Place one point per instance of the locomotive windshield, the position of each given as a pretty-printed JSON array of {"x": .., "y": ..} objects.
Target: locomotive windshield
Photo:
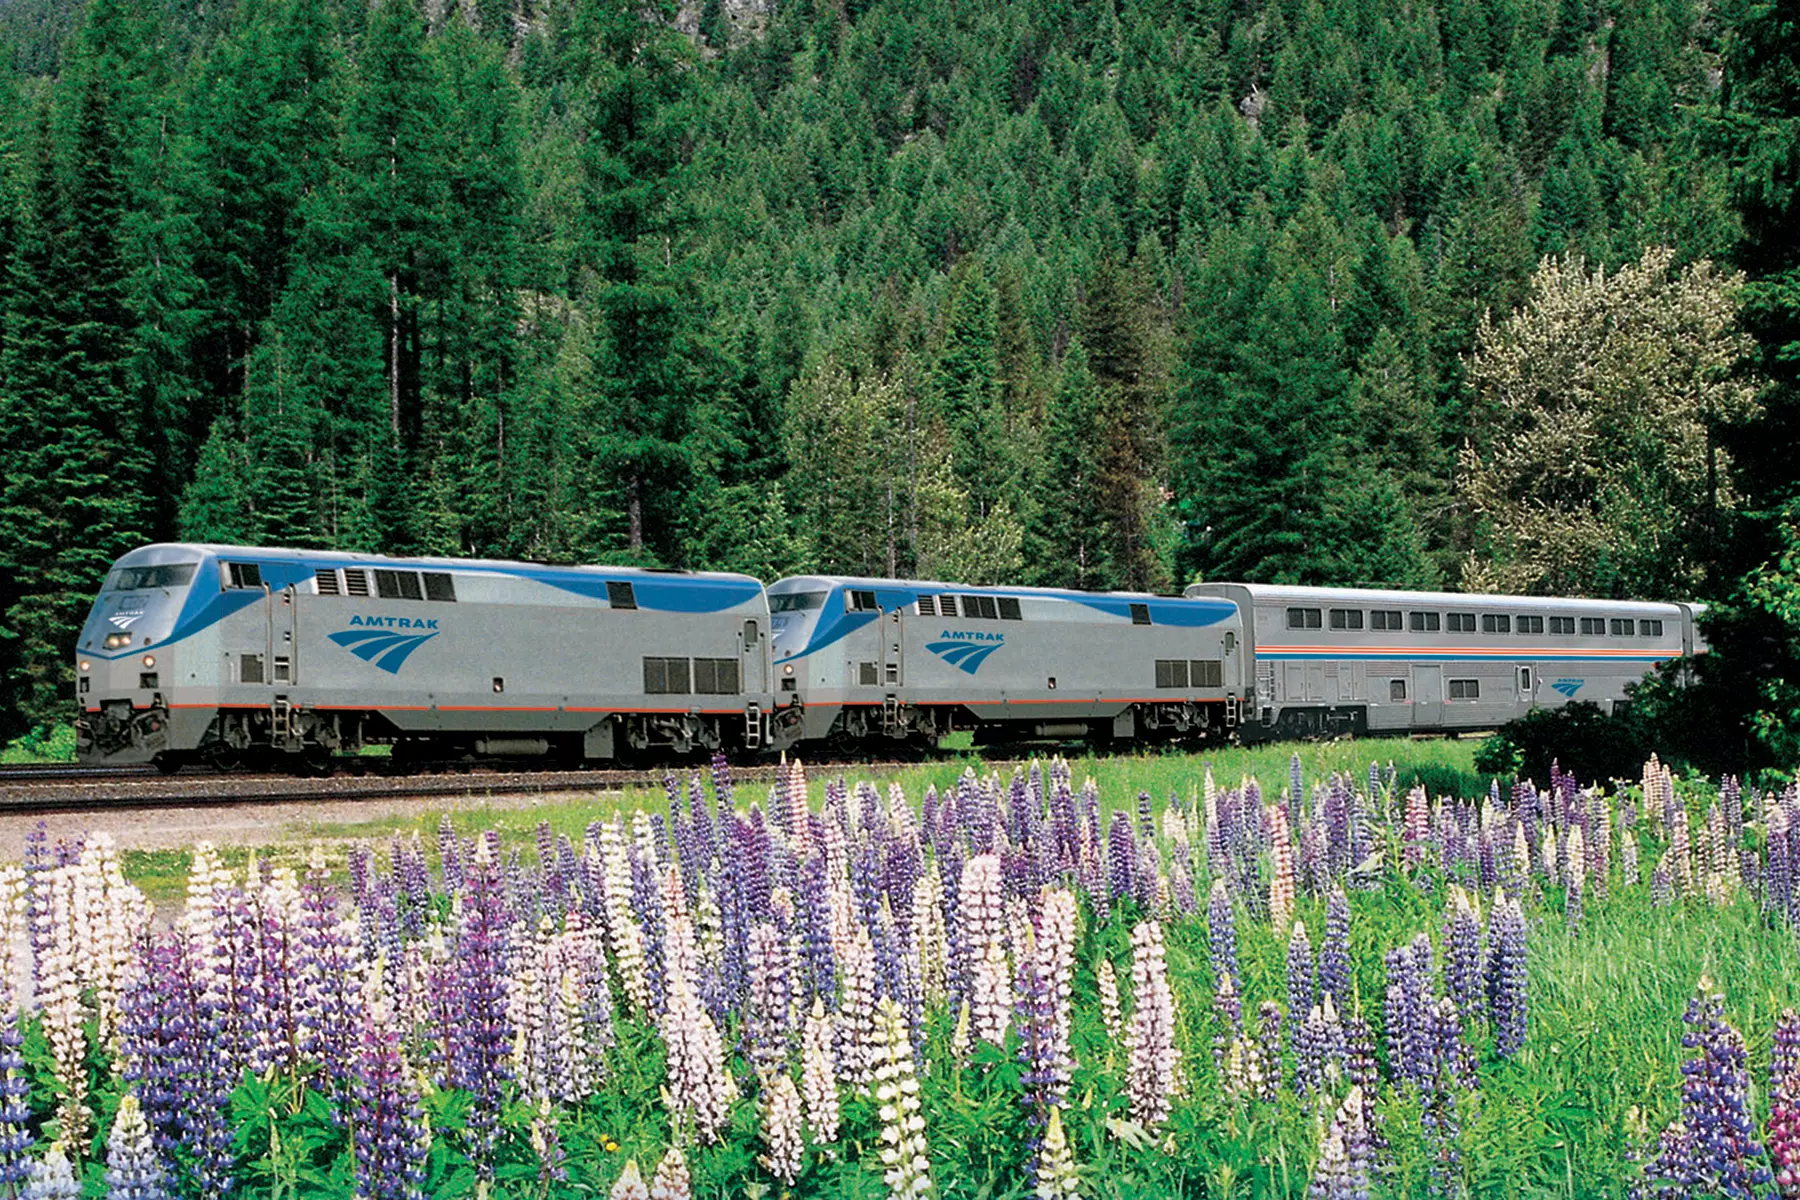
[
  {"x": 795, "y": 601},
  {"x": 136, "y": 579}
]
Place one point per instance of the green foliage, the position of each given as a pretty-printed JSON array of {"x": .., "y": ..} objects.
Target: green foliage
[{"x": 1578, "y": 737}]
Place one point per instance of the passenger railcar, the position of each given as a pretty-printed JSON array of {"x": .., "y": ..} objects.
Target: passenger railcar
[
  {"x": 896, "y": 658},
  {"x": 1344, "y": 660},
  {"x": 226, "y": 653}
]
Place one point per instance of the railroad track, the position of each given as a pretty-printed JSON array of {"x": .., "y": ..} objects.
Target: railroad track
[{"x": 79, "y": 791}]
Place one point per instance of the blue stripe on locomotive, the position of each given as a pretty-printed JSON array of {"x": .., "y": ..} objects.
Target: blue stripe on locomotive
[{"x": 205, "y": 606}]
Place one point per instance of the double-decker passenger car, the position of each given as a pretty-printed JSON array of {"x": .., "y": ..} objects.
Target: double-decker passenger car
[
  {"x": 227, "y": 652},
  {"x": 1349, "y": 660},
  {"x": 899, "y": 658}
]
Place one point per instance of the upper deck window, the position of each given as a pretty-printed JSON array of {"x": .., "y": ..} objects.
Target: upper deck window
[
  {"x": 1623, "y": 627},
  {"x": 1387, "y": 619},
  {"x": 135, "y": 579},
  {"x": 1303, "y": 618},
  {"x": 795, "y": 601},
  {"x": 1424, "y": 622},
  {"x": 1530, "y": 624},
  {"x": 1346, "y": 618},
  {"x": 1593, "y": 627},
  {"x": 243, "y": 575},
  {"x": 1496, "y": 623},
  {"x": 1462, "y": 622},
  {"x": 1650, "y": 629},
  {"x": 1563, "y": 626}
]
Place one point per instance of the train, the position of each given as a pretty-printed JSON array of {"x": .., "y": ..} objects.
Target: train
[{"x": 255, "y": 656}]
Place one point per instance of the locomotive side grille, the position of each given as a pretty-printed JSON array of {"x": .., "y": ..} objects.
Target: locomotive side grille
[
  {"x": 867, "y": 676},
  {"x": 927, "y": 606},
  {"x": 715, "y": 676},
  {"x": 327, "y": 582},
  {"x": 356, "y": 581},
  {"x": 666, "y": 677},
  {"x": 250, "y": 668}
]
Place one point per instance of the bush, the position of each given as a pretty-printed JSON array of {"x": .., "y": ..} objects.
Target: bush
[
  {"x": 1581, "y": 739},
  {"x": 45, "y": 743}
]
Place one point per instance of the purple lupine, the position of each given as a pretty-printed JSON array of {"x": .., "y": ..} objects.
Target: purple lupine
[
  {"x": 1407, "y": 1012},
  {"x": 387, "y": 1126},
  {"x": 1715, "y": 1101},
  {"x": 476, "y": 1035},
  {"x": 768, "y": 1023},
  {"x": 1228, "y": 1011},
  {"x": 1300, "y": 987},
  {"x": 1296, "y": 792},
  {"x": 1463, "y": 957},
  {"x": 647, "y": 908},
  {"x": 1334, "y": 955},
  {"x": 1451, "y": 1071},
  {"x": 1359, "y": 1054},
  {"x": 1221, "y": 932},
  {"x": 450, "y": 858},
  {"x": 1784, "y": 1105},
  {"x": 327, "y": 963},
  {"x": 1506, "y": 978},
  {"x": 1121, "y": 859},
  {"x": 1268, "y": 1047},
  {"x": 200, "y": 1076},
  {"x": 812, "y": 908},
  {"x": 15, "y": 1097}
]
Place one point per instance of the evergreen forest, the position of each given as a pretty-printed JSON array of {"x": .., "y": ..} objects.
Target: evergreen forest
[{"x": 1089, "y": 293}]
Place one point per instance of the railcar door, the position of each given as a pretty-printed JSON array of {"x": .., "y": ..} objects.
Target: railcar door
[
  {"x": 1428, "y": 696},
  {"x": 893, "y": 641},
  {"x": 755, "y": 655},
  {"x": 284, "y": 633}
]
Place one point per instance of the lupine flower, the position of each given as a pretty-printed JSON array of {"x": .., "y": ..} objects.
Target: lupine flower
[
  {"x": 1300, "y": 989},
  {"x": 903, "y": 1152},
  {"x": 783, "y": 1139},
  {"x": 1662, "y": 892},
  {"x": 1506, "y": 977},
  {"x": 53, "y": 1178},
  {"x": 1334, "y": 955},
  {"x": 856, "y": 1010},
  {"x": 1150, "y": 1041},
  {"x": 672, "y": 1181},
  {"x": 1281, "y": 870},
  {"x": 1268, "y": 1049},
  {"x": 1055, "y": 1170},
  {"x": 475, "y": 1032},
  {"x": 133, "y": 1170},
  {"x": 630, "y": 1184},
  {"x": 1417, "y": 831},
  {"x": 1576, "y": 878},
  {"x": 699, "y": 1087},
  {"x": 1715, "y": 1102},
  {"x": 984, "y": 930},
  {"x": 1784, "y": 1105},
  {"x": 767, "y": 1020},
  {"x": 1463, "y": 957},
  {"x": 1680, "y": 854},
  {"x": 387, "y": 1128},
  {"x": 546, "y": 1144},
  {"x": 1628, "y": 858},
  {"x": 1343, "y": 1169},
  {"x": 818, "y": 1077}
]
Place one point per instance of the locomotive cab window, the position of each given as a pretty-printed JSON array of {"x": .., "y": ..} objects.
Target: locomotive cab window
[
  {"x": 620, "y": 594},
  {"x": 243, "y": 575},
  {"x": 1303, "y": 618},
  {"x": 1385, "y": 619},
  {"x": 398, "y": 585},
  {"x": 801, "y": 601},
  {"x": 1140, "y": 614},
  {"x": 859, "y": 601},
  {"x": 1346, "y": 618},
  {"x": 1423, "y": 622}
]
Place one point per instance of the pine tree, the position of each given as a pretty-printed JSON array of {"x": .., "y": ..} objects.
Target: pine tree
[{"x": 966, "y": 385}]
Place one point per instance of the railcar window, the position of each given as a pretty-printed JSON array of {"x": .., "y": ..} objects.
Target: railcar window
[
  {"x": 1171, "y": 672},
  {"x": 859, "y": 601},
  {"x": 927, "y": 606},
  {"x": 946, "y": 606},
  {"x": 715, "y": 676},
  {"x": 1346, "y": 618},
  {"x": 1530, "y": 624},
  {"x": 1386, "y": 619},
  {"x": 982, "y": 607},
  {"x": 665, "y": 676},
  {"x": 439, "y": 585},
  {"x": 1465, "y": 689},
  {"x": 1562, "y": 626},
  {"x": 1303, "y": 618},
  {"x": 1593, "y": 627},
  {"x": 326, "y": 583},
  {"x": 1462, "y": 622},
  {"x": 621, "y": 594},
  {"x": 1423, "y": 622},
  {"x": 1207, "y": 673},
  {"x": 243, "y": 575},
  {"x": 1495, "y": 623},
  {"x": 356, "y": 581},
  {"x": 1650, "y": 629},
  {"x": 134, "y": 579},
  {"x": 398, "y": 585},
  {"x": 1396, "y": 689},
  {"x": 1140, "y": 614},
  {"x": 1009, "y": 609},
  {"x": 803, "y": 601},
  {"x": 1623, "y": 627}
]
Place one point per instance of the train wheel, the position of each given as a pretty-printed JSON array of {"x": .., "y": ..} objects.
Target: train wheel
[{"x": 169, "y": 762}]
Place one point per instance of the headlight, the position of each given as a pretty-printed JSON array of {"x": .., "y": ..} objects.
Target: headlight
[
  {"x": 115, "y": 640},
  {"x": 149, "y": 660},
  {"x": 86, "y": 665},
  {"x": 788, "y": 670}
]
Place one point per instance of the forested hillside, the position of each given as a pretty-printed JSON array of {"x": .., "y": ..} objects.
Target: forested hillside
[{"x": 1099, "y": 293}]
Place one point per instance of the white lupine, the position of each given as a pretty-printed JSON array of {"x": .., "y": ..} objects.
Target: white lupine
[
  {"x": 983, "y": 919},
  {"x": 133, "y": 1169},
  {"x": 1108, "y": 980},
  {"x": 630, "y": 1184},
  {"x": 783, "y": 1138},
  {"x": 1151, "y": 1039},
  {"x": 929, "y": 936},
  {"x": 1055, "y": 953},
  {"x": 856, "y": 1010},
  {"x": 1056, "y": 1178},
  {"x": 527, "y": 1002},
  {"x": 61, "y": 1009},
  {"x": 1521, "y": 853},
  {"x": 622, "y": 931},
  {"x": 818, "y": 1076},
  {"x": 672, "y": 1181},
  {"x": 907, "y": 1170},
  {"x": 52, "y": 1178},
  {"x": 699, "y": 1086}
]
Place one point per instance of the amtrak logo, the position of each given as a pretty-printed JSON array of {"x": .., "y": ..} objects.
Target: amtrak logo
[
  {"x": 125, "y": 620},
  {"x": 966, "y": 651},
  {"x": 376, "y": 641},
  {"x": 1568, "y": 687}
]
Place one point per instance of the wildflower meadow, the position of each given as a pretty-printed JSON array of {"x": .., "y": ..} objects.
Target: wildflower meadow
[{"x": 1006, "y": 986}]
